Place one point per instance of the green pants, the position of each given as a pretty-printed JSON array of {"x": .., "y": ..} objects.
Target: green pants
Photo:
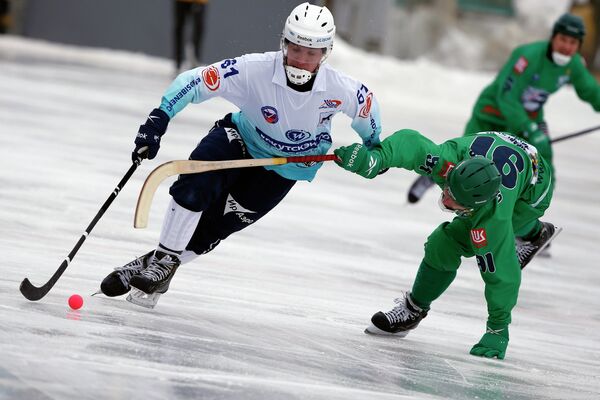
[{"x": 451, "y": 241}]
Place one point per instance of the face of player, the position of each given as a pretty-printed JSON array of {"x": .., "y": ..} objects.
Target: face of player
[
  {"x": 305, "y": 58},
  {"x": 564, "y": 44},
  {"x": 448, "y": 202}
]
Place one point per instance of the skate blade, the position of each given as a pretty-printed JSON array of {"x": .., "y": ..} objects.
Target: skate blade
[
  {"x": 142, "y": 299},
  {"x": 373, "y": 330},
  {"x": 544, "y": 251}
]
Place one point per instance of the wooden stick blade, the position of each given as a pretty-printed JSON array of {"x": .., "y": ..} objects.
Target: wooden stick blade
[{"x": 180, "y": 167}]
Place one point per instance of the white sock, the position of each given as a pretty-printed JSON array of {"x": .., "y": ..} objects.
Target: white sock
[
  {"x": 187, "y": 256},
  {"x": 178, "y": 227}
]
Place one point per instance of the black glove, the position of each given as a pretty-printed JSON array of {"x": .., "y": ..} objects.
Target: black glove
[{"x": 149, "y": 135}]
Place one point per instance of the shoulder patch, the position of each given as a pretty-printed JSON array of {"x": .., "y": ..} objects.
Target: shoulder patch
[
  {"x": 365, "y": 111},
  {"x": 520, "y": 65},
  {"x": 211, "y": 78},
  {"x": 446, "y": 169}
]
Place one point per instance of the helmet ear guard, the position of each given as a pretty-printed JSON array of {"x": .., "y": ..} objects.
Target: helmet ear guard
[{"x": 474, "y": 182}]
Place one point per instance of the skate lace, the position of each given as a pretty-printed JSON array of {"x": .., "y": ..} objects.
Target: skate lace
[
  {"x": 160, "y": 269},
  {"x": 401, "y": 312},
  {"x": 525, "y": 250},
  {"x": 128, "y": 270}
]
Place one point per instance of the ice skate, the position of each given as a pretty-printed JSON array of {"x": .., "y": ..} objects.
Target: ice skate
[
  {"x": 527, "y": 250},
  {"x": 404, "y": 317},
  {"x": 117, "y": 282},
  {"x": 152, "y": 282},
  {"x": 418, "y": 188},
  {"x": 157, "y": 276},
  {"x": 545, "y": 252}
]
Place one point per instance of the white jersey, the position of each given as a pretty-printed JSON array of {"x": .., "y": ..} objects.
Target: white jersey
[{"x": 275, "y": 120}]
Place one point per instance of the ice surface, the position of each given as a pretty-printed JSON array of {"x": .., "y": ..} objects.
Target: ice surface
[{"x": 278, "y": 310}]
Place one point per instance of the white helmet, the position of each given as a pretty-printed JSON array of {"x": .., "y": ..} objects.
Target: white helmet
[{"x": 309, "y": 26}]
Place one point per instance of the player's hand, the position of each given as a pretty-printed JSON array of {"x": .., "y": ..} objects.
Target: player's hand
[
  {"x": 360, "y": 160},
  {"x": 149, "y": 135},
  {"x": 493, "y": 343},
  {"x": 535, "y": 132}
]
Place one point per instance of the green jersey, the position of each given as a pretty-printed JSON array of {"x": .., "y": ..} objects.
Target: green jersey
[
  {"x": 517, "y": 95},
  {"x": 487, "y": 233}
]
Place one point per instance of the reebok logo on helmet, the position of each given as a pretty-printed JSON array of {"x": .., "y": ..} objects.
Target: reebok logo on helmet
[{"x": 307, "y": 39}]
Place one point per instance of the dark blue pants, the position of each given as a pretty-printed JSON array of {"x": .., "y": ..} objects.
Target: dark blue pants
[{"x": 230, "y": 199}]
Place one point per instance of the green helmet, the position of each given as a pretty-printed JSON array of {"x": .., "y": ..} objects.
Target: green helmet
[
  {"x": 474, "y": 181},
  {"x": 570, "y": 25}
]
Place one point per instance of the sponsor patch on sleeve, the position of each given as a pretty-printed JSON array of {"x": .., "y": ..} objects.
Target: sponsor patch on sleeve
[
  {"x": 366, "y": 109},
  {"x": 446, "y": 169},
  {"x": 211, "y": 78},
  {"x": 479, "y": 237}
]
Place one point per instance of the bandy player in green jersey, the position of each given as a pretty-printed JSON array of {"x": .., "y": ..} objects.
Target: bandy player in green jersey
[
  {"x": 499, "y": 187},
  {"x": 514, "y": 101}
]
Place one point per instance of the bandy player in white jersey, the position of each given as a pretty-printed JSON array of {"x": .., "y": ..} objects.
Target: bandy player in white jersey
[{"x": 287, "y": 100}]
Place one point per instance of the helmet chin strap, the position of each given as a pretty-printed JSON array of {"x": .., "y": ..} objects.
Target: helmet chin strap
[
  {"x": 560, "y": 59},
  {"x": 298, "y": 76}
]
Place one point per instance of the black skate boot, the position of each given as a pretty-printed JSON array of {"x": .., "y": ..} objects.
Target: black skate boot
[
  {"x": 149, "y": 284},
  {"x": 418, "y": 188},
  {"x": 117, "y": 282},
  {"x": 405, "y": 316},
  {"x": 527, "y": 250}
]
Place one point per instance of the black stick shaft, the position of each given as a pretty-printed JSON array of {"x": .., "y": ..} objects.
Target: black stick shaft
[
  {"x": 34, "y": 293},
  {"x": 575, "y": 134}
]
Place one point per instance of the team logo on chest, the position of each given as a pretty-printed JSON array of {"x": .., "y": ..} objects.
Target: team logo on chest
[
  {"x": 479, "y": 237},
  {"x": 211, "y": 78},
  {"x": 296, "y": 135},
  {"x": 270, "y": 114}
]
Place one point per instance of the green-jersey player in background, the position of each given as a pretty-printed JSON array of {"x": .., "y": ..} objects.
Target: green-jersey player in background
[{"x": 514, "y": 101}]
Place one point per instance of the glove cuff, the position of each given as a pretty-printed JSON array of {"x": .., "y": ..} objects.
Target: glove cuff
[
  {"x": 497, "y": 329},
  {"x": 159, "y": 120}
]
